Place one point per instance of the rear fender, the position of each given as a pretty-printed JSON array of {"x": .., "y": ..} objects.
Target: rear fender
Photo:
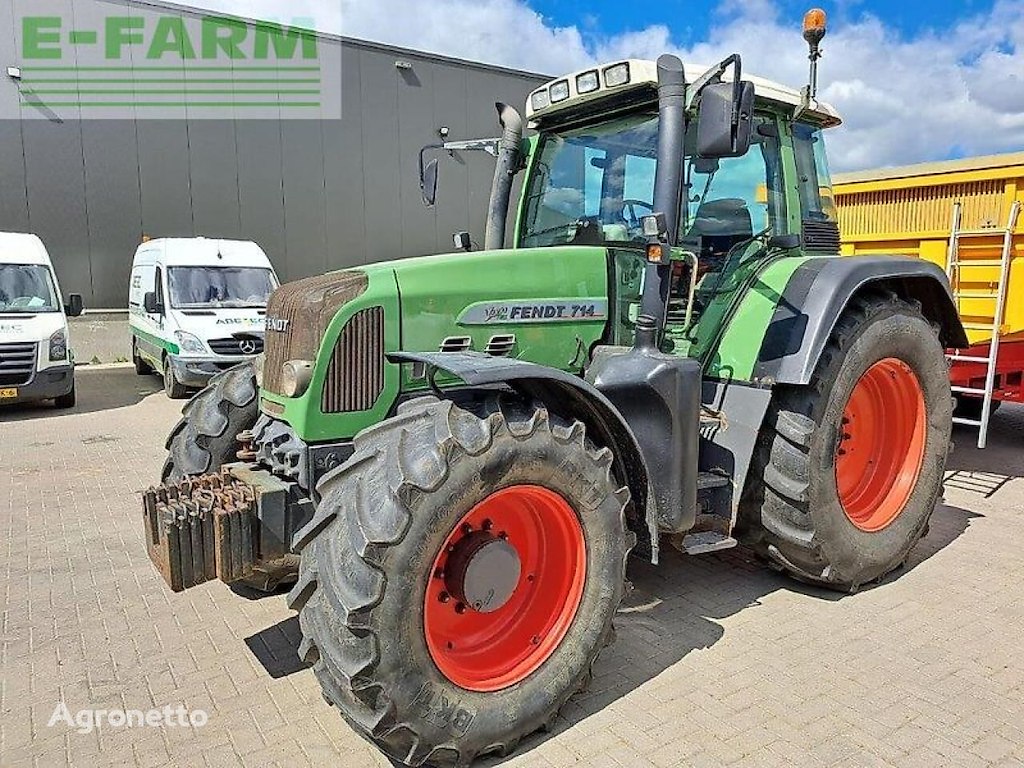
[
  {"x": 821, "y": 289},
  {"x": 571, "y": 397}
]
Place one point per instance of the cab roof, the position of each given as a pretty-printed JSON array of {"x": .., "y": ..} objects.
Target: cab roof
[
  {"x": 20, "y": 248},
  {"x": 643, "y": 74}
]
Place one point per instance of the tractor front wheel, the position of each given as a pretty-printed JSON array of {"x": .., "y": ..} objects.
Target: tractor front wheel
[
  {"x": 460, "y": 576},
  {"x": 852, "y": 465}
]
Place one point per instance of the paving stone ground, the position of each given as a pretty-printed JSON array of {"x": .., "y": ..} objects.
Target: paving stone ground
[{"x": 719, "y": 661}]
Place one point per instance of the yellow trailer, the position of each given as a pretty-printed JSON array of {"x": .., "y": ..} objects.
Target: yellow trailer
[{"x": 962, "y": 215}]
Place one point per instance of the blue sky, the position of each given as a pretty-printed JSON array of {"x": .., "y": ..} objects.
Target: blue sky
[
  {"x": 915, "y": 80},
  {"x": 691, "y": 21}
]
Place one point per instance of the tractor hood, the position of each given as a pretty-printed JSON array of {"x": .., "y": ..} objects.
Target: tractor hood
[
  {"x": 544, "y": 305},
  {"x": 536, "y": 304}
]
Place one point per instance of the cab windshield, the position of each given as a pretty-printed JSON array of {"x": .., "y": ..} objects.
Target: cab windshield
[
  {"x": 599, "y": 179},
  {"x": 219, "y": 287},
  {"x": 27, "y": 288}
]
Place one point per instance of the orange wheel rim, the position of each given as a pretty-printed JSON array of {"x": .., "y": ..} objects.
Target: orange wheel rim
[
  {"x": 505, "y": 588},
  {"x": 881, "y": 446}
]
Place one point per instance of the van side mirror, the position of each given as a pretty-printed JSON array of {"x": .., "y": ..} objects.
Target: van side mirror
[
  {"x": 724, "y": 119},
  {"x": 75, "y": 305},
  {"x": 151, "y": 305},
  {"x": 428, "y": 183}
]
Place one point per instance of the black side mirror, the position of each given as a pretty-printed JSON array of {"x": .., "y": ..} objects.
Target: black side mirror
[
  {"x": 151, "y": 305},
  {"x": 724, "y": 119},
  {"x": 428, "y": 183},
  {"x": 75, "y": 305}
]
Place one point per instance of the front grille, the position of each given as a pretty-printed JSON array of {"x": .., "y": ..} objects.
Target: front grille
[
  {"x": 234, "y": 346},
  {"x": 17, "y": 363},
  {"x": 298, "y": 315},
  {"x": 355, "y": 376}
]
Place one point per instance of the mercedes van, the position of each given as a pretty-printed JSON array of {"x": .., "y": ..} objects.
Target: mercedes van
[
  {"x": 197, "y": 307},
  {"x": 36, "y": 362}
]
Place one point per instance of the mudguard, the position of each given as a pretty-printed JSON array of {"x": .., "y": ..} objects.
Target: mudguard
[
  {"x": 819, "y": 291},
  {"x": 575, "y": 398}
]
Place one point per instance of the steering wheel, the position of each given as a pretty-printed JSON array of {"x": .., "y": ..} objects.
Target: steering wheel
[{"x": 631, "y": 205}]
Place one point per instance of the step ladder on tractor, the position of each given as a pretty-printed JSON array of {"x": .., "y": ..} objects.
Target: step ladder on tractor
[{"x": 980, "y": 375}]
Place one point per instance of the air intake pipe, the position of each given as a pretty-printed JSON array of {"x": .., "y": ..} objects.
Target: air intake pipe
[{"x": 504, "y": 174}]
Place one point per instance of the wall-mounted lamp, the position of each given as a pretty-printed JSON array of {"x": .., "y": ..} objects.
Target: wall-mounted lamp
[
  {"x": 14, "y": 73},
  {"x": 402, "y": 64},
  {"x": 443, "y": 131}
]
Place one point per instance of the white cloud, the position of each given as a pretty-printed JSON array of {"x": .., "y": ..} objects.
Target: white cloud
[{"x": 952, "y": 91}]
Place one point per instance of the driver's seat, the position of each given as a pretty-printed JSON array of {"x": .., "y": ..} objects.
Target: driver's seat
[{"x": 718, "y": 226}]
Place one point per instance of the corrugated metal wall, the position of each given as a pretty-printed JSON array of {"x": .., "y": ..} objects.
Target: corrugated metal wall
[{"x": 317, "y": 195}]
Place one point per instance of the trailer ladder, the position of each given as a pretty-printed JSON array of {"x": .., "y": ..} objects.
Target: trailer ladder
[{"x": 955, "y": 269}]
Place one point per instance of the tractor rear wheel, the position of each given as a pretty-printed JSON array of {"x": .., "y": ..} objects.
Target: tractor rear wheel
[
  {"x": 205, "y": 439},
  {"x": 852, "y": 464},
  {"x": 460, "y": 576}
]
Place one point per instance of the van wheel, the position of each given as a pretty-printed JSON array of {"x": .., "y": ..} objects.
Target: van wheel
[
  {"x": 142, "y": 368},
  {"x": 174, "y": 388},
  {"x": 68, "y": 400}
]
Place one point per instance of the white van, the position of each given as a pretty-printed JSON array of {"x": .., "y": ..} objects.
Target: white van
[
  {"x": 36, "y": 362},
  {"x": 197, "y": 307}
]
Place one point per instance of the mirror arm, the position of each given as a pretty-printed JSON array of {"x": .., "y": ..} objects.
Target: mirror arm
[{"x": 715, "y": 75}]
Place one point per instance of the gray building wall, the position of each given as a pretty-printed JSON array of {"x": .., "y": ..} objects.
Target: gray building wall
[{"x": 316, "y": 194}]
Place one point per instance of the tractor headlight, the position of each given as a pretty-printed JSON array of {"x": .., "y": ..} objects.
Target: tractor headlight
[
  {"x": 587, "y": 82},
  {"x": 58, "y": 346},
  {"x": 295, "y": 377},
  {"x": 560, "y": 91},
  {"x": 189, "y": 343},
  {"x": 540, "y": 99},
  {"x": 617, "y": 75}
]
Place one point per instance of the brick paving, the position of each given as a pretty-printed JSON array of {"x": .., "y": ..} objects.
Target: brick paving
[{"x": 719, "y": 661}]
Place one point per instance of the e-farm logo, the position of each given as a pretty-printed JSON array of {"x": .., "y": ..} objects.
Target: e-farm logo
[{"x": 156, "y": 63}]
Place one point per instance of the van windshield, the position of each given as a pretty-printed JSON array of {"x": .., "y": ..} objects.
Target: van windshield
[
  {"x": 233, "y": 287},
  {"x": 27, "y": 288}
]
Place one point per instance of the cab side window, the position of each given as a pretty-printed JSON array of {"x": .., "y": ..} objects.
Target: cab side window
[{"x": 816, "y": 200}]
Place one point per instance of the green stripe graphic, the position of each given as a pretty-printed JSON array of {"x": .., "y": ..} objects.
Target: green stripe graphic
[
  {"x": 304, "y": 104},
  {"x": 170, "y": 69},
  {"x": 171, "y": 80},
  {"x": 174, "y": 91}
]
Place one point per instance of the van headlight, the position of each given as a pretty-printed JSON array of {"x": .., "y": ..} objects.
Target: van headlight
[
  {"x": 295, "y": 378},
  {"x": 189, "y": 343},
  {"x": 58, "y": 346}
]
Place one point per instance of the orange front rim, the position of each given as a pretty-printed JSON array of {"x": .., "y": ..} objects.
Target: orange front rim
[
  {"x": 505, "y": 588},
  {"x": 881, "y": 445}
]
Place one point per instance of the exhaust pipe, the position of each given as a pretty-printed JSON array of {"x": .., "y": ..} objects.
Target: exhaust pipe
[
  {"x": 668, "y": 185},
  {"x": 504, "y": 173}
]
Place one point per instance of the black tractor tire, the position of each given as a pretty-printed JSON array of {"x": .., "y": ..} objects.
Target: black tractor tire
[
  {"x": 797, "y": 520},
  {"x": 368, "y": 558},
  {"x": 174, "y": 389},
  {"x": 142, "y": 368},
  {"x": 66, "y": 401},
  {"x": 205, "y": 439}
]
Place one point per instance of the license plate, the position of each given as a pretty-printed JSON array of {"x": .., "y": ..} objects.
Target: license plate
[{"x": 8, "y": 394}]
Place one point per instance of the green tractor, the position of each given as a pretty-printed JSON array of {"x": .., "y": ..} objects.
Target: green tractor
[{"x": 452, "y": 457}]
